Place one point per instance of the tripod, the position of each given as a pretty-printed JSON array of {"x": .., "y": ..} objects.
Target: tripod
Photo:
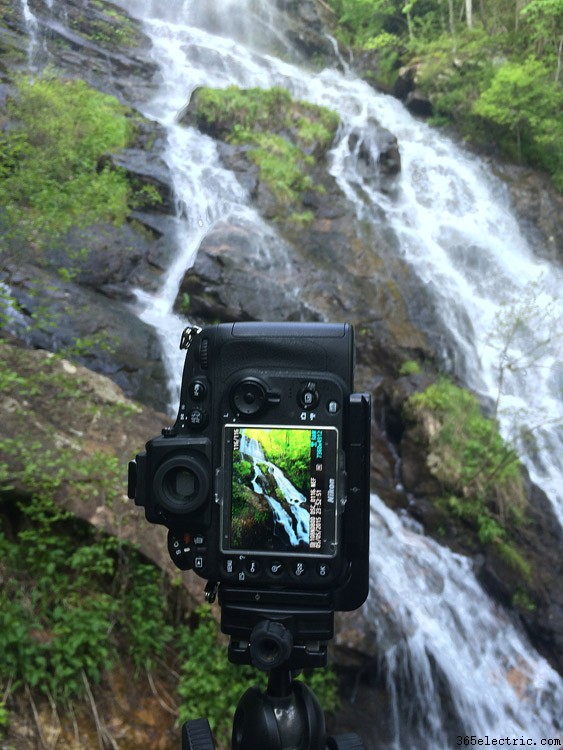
[{"x": 286, "y": 716}]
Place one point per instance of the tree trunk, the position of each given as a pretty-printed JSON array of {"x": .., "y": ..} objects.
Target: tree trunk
[
  {"x": 469, "y": 13},
  {"x": 451, "y": 12}
]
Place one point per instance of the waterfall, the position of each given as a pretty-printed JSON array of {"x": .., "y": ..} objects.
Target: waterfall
[
  {"x": 292, "y": 520},
  {"x": 451, "y": 633},
  {"x": 451, "y": 218},
  {"x": 453, "y": 225}
]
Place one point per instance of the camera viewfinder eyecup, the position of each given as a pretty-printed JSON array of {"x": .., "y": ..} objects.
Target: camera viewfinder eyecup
[{"x": 181, "y": 483}]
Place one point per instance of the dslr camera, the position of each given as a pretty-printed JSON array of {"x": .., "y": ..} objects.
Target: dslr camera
[{"x": 263, "y": 481}]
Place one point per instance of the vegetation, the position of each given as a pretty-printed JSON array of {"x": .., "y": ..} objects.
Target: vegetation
[
  {"x": 254, "y": 117},
  {"x": 479, "y": 473},
  {"x": 493, "y": 69},
  {"x": 50, "y": 167}
]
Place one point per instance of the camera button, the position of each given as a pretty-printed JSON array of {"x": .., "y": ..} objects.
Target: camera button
[
  {"x": 299, "y": 569},
  {"x": 323, "y": 570},
  {"x": 308, "y": 396},
  {"x": 199, "y": 562},
  {"x": 333, "y": 407},
  {"x": 252, "y": 567},
  {"x": 197, "y": 418},
  {"x": 230, "y": 566},
  {"x": 275, "y": 568},
  {"x": 197, "y": 390},
  {"x": 199, "y": 540}
]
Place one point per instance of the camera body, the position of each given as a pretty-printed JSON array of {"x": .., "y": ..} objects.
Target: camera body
[{"x": 263, "y": 482}]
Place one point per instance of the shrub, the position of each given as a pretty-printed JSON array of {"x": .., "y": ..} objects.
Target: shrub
[{"x": 50, "y": 159}]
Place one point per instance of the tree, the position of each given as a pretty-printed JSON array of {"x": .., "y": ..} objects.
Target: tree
[
  {"x": 544, "y": 19},
  {"x": 522, "y": 99}
]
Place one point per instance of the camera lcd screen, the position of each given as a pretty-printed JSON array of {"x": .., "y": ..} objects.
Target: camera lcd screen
[{"x": 283, "y": 490}]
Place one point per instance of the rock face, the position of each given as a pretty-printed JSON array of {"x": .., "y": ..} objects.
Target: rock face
[
  {"x": 322, "y": 267},
  {"x": 101, "y": 44},
  {"x": 93, "y": 416}
]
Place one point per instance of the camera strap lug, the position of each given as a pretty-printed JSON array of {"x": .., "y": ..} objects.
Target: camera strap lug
[
  {"x": 188, "y": 335},
  {"x": 211, "y": 589}
]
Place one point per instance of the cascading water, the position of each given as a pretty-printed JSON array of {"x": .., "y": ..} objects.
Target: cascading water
[
  {"x": 293, "y": 519},
  {"x": 453, "y": 226},
  {"x": 452, "y": 634},
  {"x": 450, "y": 217}
]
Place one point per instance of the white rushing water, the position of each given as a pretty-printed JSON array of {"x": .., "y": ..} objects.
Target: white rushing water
[
  {"x": 452, "y": 633},
  {"x": 453, "y": 225},
  {"x": 451, "y": 218}
]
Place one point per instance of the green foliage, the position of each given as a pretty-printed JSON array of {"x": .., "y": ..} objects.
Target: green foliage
[
  {"x": 497, "y": 75},
  {"x": 4, "y": 717},
  {"x": 523, "y": 101},
  {"x": 467, "y": 452},
  {"x": 50, "y": 161},
  {"x": 282, "y": 165},
  {"x": 478, "y": 471},
  {"x": 70, "y": 595},
  {"x": 410, "y": 367},
  {"x": 249, "y": 116},
  {"x": 209, "y": 684},
  {"x": 290, "y": 450},
  {"x": 146, "y": 626}
]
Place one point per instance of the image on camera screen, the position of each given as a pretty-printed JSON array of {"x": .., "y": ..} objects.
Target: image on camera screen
[{"x": 282, "y": 490}]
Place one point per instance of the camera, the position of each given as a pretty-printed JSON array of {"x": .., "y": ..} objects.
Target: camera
[{"x": 263, "y": 481}]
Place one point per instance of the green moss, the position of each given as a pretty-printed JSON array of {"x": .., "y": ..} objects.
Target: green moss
[
  {"x": 467, "y": 451},
  {"x": 410, "y": 367},
  {"x": 479, "y": 472},
  {"x": 109, "y": 26},
  {"x": 256, "y": 117}
]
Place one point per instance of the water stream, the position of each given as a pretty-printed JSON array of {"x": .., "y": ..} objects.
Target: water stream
[
  {"x": 452, "y": 223},
  {"x": 291, "y": 519}
]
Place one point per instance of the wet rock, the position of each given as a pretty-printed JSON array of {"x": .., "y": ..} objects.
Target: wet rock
[
  {"x": 58, "y": 315},
  {"x": 538, "y": 207},
  {"x": 99, "y": 43}
]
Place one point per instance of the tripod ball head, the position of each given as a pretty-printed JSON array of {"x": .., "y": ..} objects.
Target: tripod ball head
[{"x": 274, "y": 723}]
